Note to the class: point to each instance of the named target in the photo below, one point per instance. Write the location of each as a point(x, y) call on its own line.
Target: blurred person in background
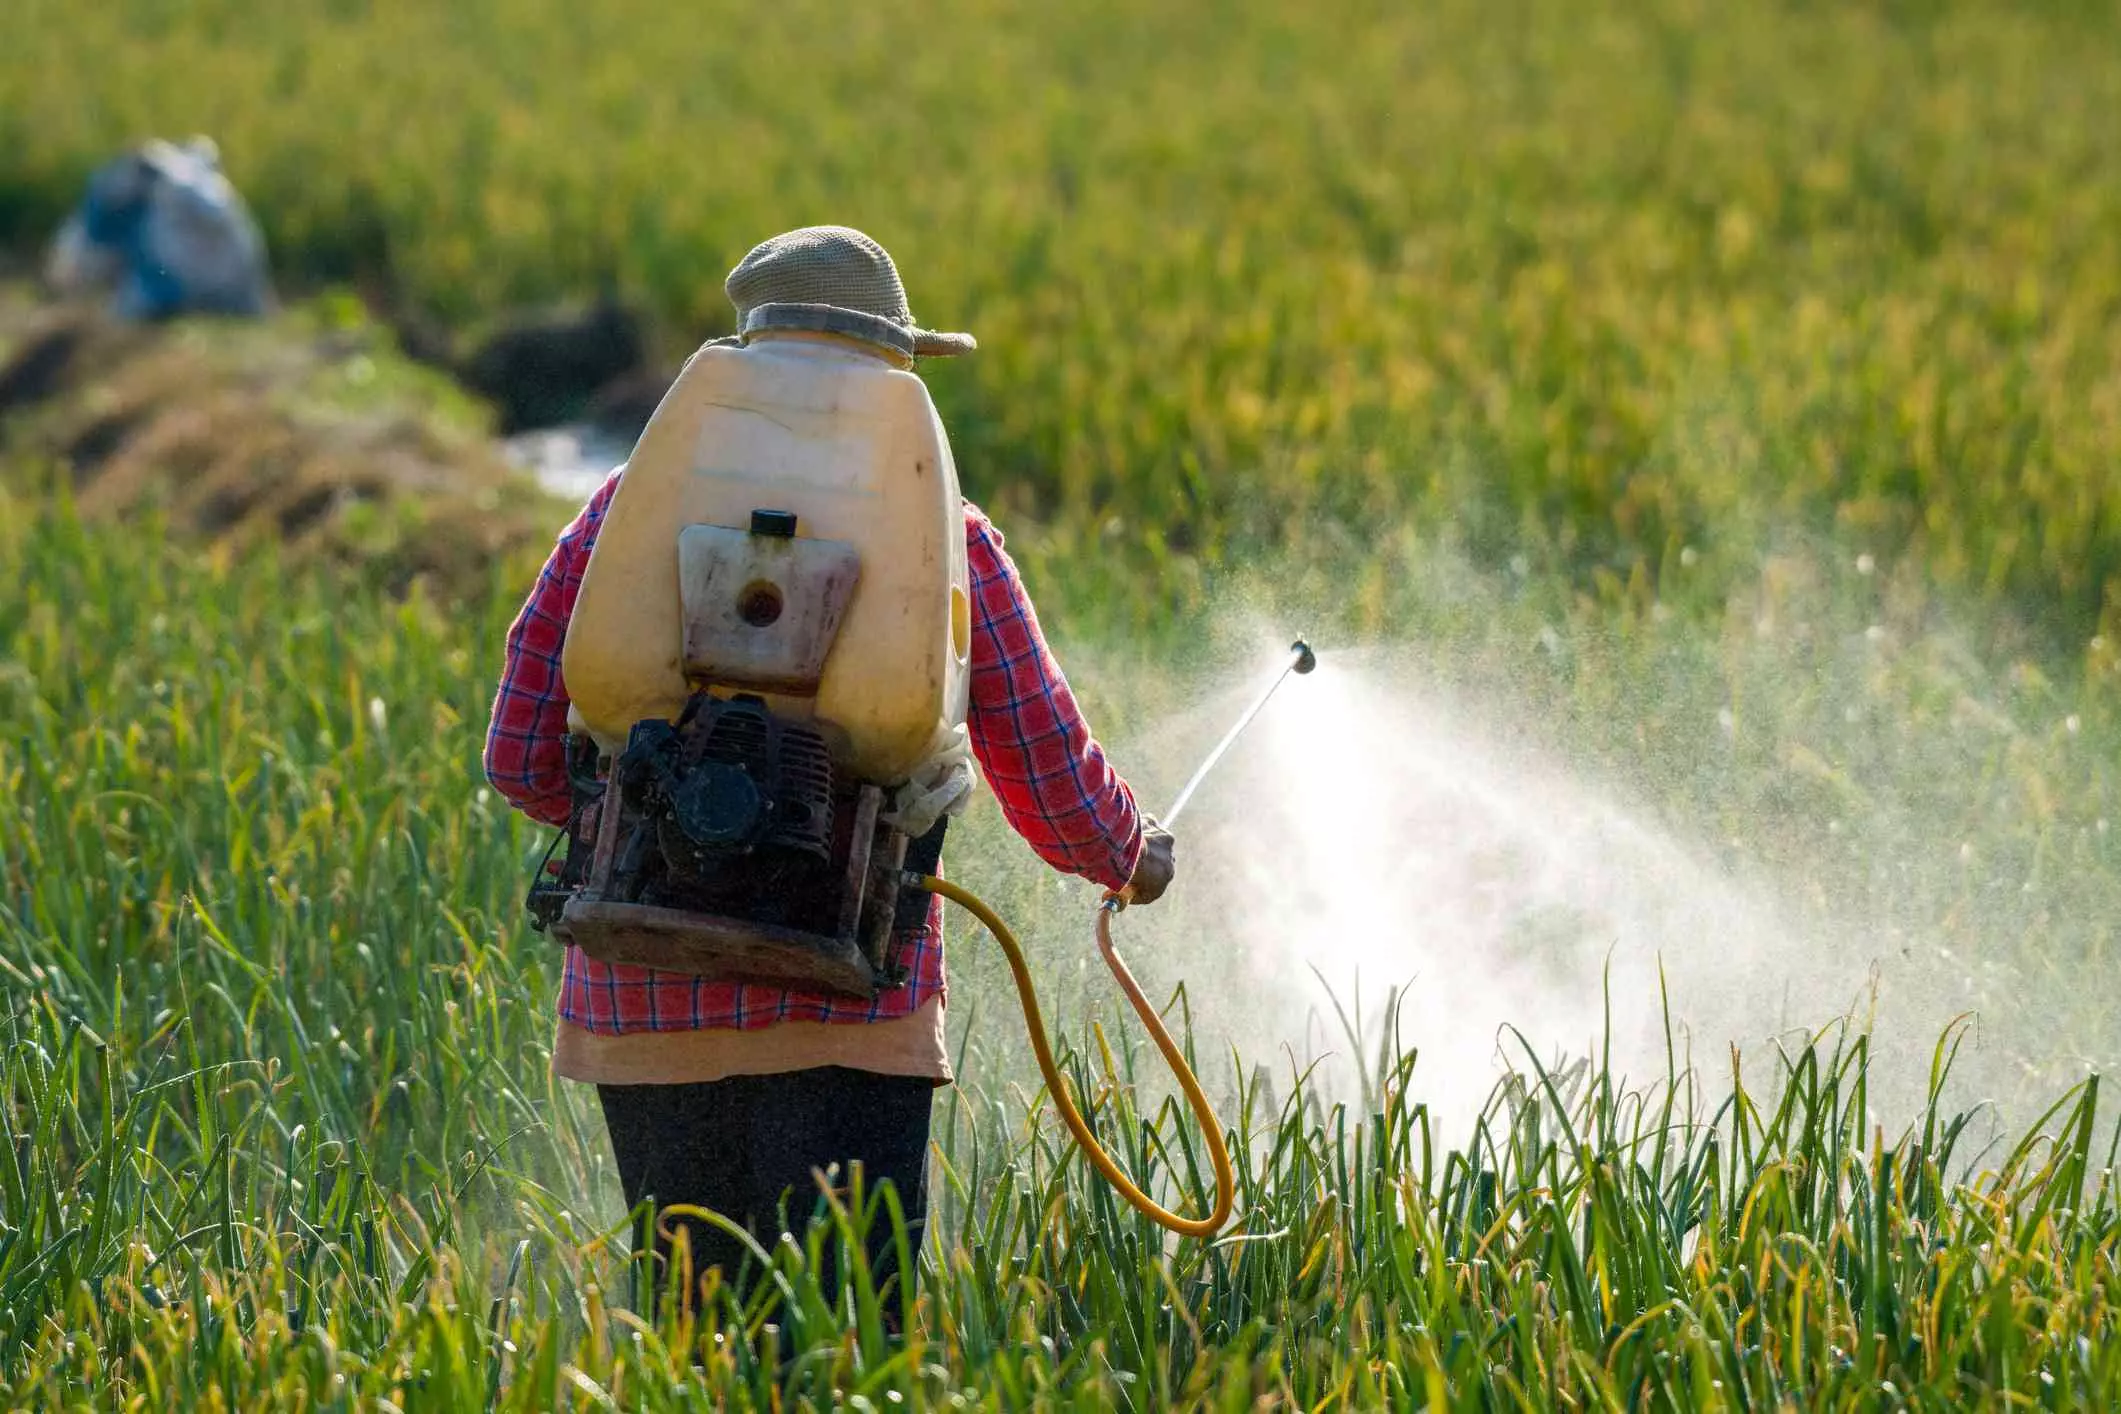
point(162, 232)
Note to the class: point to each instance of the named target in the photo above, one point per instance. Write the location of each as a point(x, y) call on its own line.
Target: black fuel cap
point(780, 524)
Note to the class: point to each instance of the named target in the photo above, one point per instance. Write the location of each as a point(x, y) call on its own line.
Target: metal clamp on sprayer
point(1301, 660)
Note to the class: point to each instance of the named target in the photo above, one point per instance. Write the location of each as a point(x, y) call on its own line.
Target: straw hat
point(832, 280)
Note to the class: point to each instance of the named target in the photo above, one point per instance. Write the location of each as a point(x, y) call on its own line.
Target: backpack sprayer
point(768, 665)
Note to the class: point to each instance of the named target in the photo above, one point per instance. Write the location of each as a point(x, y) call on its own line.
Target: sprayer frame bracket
point(673, 940)
point(857, 961)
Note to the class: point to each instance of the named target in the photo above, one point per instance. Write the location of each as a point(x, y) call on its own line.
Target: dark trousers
point(746, 1146)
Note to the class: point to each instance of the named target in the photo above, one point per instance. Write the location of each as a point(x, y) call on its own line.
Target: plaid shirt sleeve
point(525, 754)
point(1046, 770)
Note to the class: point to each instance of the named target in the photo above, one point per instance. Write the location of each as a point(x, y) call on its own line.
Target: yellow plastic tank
point(851, 444)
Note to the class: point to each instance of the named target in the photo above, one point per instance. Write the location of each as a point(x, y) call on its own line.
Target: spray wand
point(1301, 660)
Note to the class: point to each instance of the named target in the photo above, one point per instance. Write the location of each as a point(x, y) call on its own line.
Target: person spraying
point(751, 686)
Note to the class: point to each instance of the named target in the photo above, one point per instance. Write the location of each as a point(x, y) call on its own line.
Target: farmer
point(729, 1097)
point(162, 230)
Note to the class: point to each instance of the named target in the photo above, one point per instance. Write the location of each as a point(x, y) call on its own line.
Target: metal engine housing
point(733, 810)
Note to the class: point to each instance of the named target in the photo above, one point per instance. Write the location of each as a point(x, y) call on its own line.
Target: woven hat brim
point(929, 344)
point(856, 324)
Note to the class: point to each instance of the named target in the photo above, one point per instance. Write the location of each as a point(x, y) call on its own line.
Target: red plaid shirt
point(1046, 771)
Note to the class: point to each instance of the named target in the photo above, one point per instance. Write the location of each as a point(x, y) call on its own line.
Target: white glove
point(941, 785)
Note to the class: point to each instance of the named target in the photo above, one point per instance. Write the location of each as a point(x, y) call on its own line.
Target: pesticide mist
point(1370, 841)
point(1385, 850)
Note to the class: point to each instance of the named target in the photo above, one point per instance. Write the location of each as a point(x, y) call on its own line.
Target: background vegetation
point(1624, 364)
point(1591, 284)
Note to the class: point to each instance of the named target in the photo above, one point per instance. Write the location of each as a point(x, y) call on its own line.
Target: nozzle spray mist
point(1301, 660)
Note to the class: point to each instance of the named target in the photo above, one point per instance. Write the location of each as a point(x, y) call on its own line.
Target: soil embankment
point(311, 428)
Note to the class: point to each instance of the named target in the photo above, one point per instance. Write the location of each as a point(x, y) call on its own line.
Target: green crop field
point(280, 1134)
point(1725, 400)
point(1587, 283)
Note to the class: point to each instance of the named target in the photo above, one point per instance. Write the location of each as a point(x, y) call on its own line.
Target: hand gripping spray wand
point(1301, 660)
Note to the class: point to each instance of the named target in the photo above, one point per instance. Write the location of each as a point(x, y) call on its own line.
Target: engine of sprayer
point(734, 811)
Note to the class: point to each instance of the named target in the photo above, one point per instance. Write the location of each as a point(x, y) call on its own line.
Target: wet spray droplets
point(1370, 836)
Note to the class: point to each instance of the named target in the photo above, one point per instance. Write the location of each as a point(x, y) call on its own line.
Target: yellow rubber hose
point(1218, 1154)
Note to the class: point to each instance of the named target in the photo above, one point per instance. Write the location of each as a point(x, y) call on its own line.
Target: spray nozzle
point(1302, 660)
